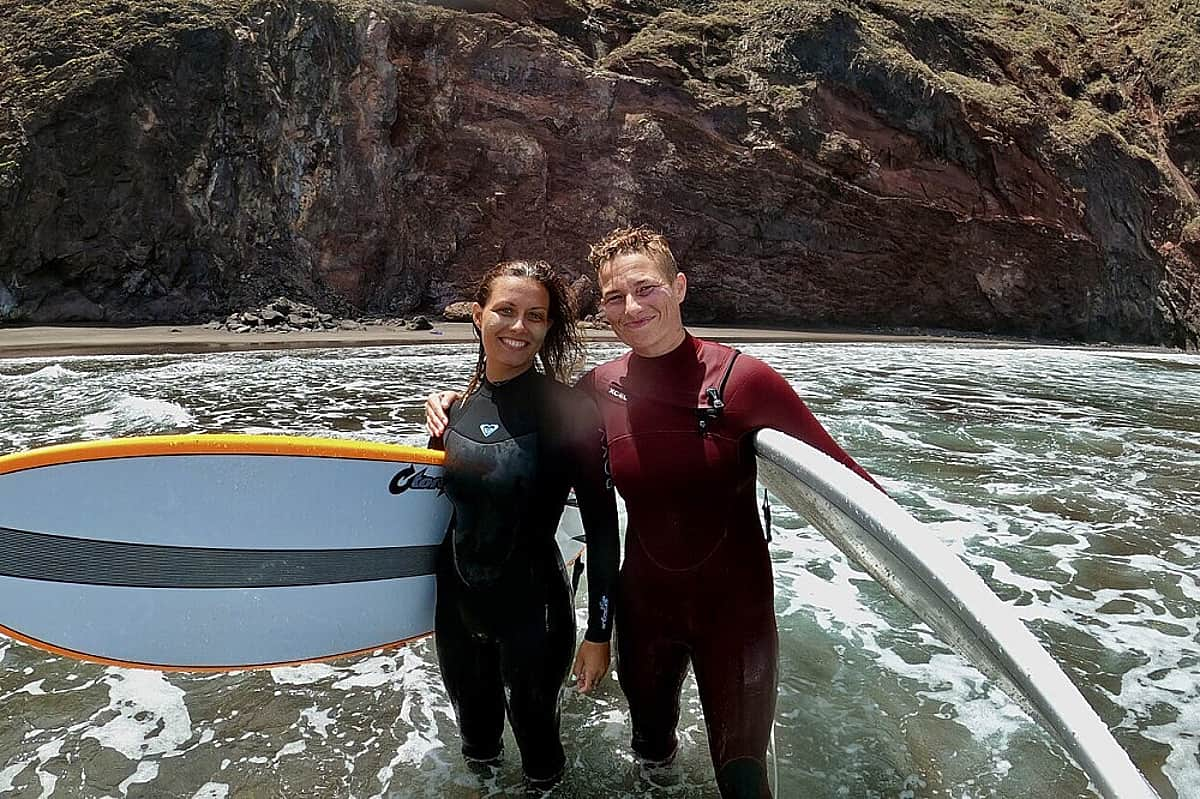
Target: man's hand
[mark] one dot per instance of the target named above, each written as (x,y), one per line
(591,664)
(436,405)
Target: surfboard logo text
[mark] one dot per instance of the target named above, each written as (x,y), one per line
(409,477)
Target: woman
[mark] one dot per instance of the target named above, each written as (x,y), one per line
(516,443)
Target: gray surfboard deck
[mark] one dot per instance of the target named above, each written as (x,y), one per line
(219,552)
(909,561)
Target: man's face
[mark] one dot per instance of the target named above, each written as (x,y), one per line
(642,304)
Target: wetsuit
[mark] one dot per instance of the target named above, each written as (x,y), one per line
(696,582)
(505,622)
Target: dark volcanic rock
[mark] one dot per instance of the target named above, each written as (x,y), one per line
(457,312)
(987,166)
(585,295)
(279,315)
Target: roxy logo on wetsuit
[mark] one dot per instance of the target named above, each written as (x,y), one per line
(409,477)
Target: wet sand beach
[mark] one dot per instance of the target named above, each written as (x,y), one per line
(55,341)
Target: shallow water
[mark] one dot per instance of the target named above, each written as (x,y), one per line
(1067,478)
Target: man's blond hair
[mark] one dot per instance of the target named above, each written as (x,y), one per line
(635,241)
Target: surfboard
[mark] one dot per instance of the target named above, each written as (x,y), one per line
(909,561)
(221,552)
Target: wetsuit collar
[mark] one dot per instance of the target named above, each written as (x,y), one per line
(490,389)
(684,354)
(678,377)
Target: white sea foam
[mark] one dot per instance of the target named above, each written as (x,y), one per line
(318,720)
(302,674)
(129,414)
(146,771)
(897,436)
(51,373)
(9,773)
(836,604)
(289,749)
(152,718)
(33,689)
(46,780)
(1163,357)
(370,673)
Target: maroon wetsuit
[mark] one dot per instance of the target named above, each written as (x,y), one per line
(696,582)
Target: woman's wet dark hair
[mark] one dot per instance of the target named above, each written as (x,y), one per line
(562,350)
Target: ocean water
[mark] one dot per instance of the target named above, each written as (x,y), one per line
(1068,478)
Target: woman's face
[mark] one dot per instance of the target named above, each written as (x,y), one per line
(512,325)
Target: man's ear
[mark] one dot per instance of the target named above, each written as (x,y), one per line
(477,316)
(680,286)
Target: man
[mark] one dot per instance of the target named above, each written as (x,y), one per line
(696,586)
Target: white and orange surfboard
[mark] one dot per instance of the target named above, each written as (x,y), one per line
(220,552)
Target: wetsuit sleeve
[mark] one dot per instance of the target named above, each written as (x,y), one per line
(598,510)
(775,404)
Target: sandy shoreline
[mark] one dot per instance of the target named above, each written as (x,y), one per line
(33,342)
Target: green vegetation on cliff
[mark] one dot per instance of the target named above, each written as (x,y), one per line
(1078,69)
(1096,67)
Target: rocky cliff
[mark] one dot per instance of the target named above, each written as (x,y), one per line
(997,166)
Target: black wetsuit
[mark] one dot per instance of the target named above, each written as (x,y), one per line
(505,618)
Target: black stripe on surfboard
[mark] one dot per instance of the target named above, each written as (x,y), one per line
(63,559)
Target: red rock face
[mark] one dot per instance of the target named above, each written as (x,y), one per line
(812,165)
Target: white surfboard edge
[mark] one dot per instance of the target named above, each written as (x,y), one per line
(907,559)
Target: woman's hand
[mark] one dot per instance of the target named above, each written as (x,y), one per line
(436,405)
(591,664)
